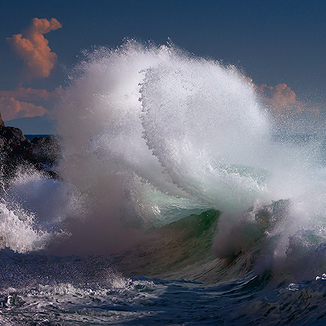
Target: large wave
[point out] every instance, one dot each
(172, 134)
(152, 134)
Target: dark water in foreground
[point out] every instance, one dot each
(44, 289)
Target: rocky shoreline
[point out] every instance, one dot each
(41, 153)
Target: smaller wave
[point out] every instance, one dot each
(299, 303)
(33, 208)
(214, 247)
(179, 250)
(266, 239)
(18, 231)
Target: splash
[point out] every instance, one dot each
(32, 211)
(152, 134)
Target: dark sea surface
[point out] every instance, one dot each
(31, 137)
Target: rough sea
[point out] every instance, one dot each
(181, 200)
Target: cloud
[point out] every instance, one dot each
(33, 48)
(11, 108)
(30, 94)
(280, 97)
(282, 100)
(17, 103)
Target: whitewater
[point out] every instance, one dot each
(181, 200)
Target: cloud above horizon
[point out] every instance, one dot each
(30, 94)
(33, 47)
(11, 108)
(25, 102)
(281, 100)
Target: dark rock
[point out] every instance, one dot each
(46, 150)
(2, 124)
(41, 153)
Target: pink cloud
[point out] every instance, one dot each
(33, 48)
(18, 103)
(282, 100)
(281, 96)
(30, 94)
(11, 108)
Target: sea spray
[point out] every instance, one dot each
(204, 124)
(142, 118)
(153, 134)
(33, 209)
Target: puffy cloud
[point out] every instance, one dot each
(11, 108)
(280, 97)
(282, 100)
(33, 48)
(17, 103)
(30, 94)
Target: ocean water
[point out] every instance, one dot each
(181, 201)
(31, 136)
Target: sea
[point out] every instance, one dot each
(181, 199)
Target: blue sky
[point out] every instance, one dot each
(272, 42)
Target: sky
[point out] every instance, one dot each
(279, 45)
